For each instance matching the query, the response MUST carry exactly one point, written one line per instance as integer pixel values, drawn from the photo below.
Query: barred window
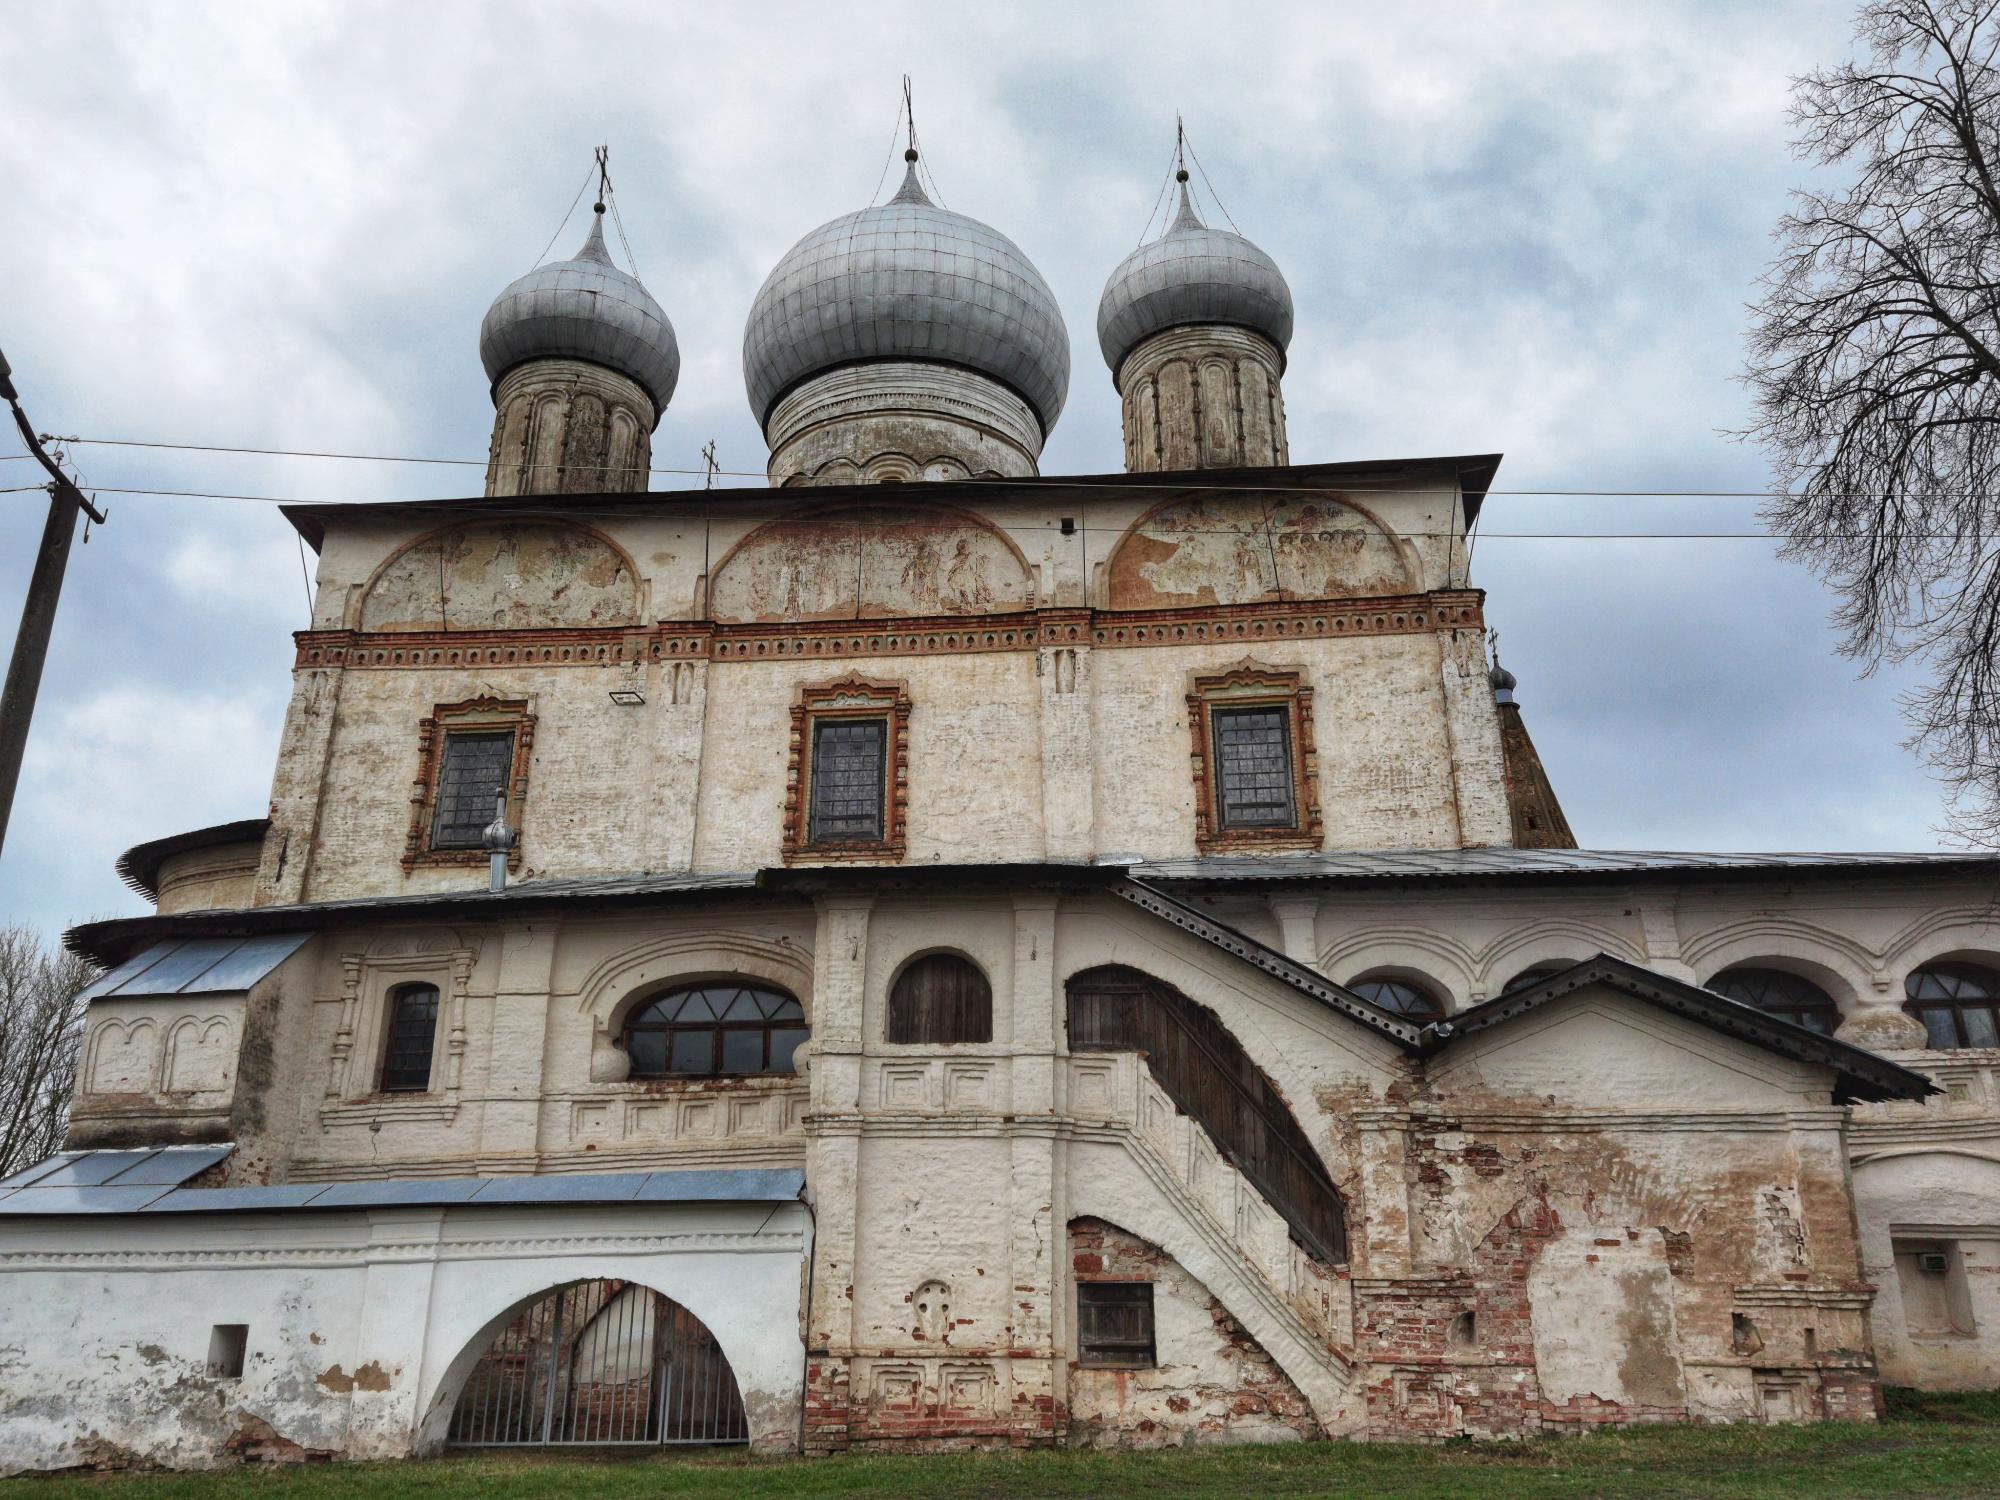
(476, 765)
(1253, 767)
(1959, 1004)
(713, 1029)
(1114, 1325)
(413, 1013)
(849, 780)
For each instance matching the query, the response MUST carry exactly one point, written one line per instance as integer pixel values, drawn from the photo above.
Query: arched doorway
(596, 1363)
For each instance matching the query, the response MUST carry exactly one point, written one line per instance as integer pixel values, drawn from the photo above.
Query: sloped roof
(1445, 866)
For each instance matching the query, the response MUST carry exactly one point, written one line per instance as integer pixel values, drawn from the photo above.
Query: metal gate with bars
(600, 1362)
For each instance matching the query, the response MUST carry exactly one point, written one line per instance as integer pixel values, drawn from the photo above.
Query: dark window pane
(475, 767)
(693, 1050)
(848, 780)
(1955, 1001)
(743, 1050)
(1940, 1029)
(1979, 1027)
(648, 1051)
(1781, 993)
(784, 1043)
(1253, 768)
(412, 1031)
(1400, 996)
(677, 1035)
(1532, 976)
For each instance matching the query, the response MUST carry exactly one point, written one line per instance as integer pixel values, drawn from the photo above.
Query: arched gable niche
(871, 562)
(511, 575)
(1241, 549)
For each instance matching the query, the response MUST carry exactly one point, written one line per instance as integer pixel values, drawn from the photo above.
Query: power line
(1040, 482)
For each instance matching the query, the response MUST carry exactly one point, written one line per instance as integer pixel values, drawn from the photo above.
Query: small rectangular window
(849, 784)
(227, 1345)
(1253, 767)
(1114, 1325)
(406, 1066)
(475, 767)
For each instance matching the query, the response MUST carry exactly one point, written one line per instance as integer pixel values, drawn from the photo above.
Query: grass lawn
(1931, 1446)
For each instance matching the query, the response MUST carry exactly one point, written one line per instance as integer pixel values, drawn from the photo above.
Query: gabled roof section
(1308, 982)
(1864, 1077)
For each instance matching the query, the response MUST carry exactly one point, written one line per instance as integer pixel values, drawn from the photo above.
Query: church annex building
(980, 957)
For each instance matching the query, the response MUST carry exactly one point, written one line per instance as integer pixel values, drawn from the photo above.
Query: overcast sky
(1518, 228)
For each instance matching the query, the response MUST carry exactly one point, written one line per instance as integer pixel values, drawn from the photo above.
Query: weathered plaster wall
(1945, 1200)
(1212, 1381)
(362, 1325)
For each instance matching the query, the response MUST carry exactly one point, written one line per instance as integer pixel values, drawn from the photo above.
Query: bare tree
(1875, 363)
(41, 1027)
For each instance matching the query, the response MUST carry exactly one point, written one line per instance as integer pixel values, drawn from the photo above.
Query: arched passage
(599, 1362)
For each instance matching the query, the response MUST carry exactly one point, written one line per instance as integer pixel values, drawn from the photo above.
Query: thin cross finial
(603, 175)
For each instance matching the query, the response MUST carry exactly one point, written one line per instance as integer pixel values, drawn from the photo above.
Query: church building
(930, 954)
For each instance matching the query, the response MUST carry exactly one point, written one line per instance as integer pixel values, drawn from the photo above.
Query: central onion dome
(586, 309)
(884, 314)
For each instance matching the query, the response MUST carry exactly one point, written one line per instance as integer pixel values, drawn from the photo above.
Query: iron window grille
(849, 780)
(1959, 1004)
(1253, 768)
(475, 767)
(1778, 992)
(1114, 1325)
(406, 1063)
(713, 1030)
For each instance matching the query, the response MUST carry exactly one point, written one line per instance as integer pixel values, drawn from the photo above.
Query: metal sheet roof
(1472, 864)
(110, 1182)
(197, 966)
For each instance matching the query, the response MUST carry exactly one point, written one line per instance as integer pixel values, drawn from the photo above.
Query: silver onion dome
(1192, 274)
(907, 280)
(584, 308)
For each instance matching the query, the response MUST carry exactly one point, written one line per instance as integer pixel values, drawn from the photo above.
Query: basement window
(227, 1345)
(1114, 1325)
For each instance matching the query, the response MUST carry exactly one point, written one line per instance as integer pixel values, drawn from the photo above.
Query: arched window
(1534, 974)
(1959, 1003)
(1780, 993)
(413, 1018)
(939, 999)
(709, 1029)
(1405, 997)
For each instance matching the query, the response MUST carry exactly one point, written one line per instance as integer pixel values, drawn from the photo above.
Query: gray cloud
(1525, 229)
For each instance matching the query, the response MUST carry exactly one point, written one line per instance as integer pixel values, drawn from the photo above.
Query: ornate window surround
(470, 715)
(850, 697)
(1251, 684)
(361, 1039)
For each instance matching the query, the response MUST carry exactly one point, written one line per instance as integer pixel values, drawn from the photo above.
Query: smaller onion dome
(1502, 682)
(584, 308)
(1191, 275)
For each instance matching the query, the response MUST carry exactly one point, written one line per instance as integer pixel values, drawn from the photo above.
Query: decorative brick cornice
(931, 635)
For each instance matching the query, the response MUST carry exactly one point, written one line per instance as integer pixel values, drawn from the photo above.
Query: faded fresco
(871, 562)
(509, 577)
(1239, 549)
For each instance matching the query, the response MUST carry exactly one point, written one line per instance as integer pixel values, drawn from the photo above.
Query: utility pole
(38, 615)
